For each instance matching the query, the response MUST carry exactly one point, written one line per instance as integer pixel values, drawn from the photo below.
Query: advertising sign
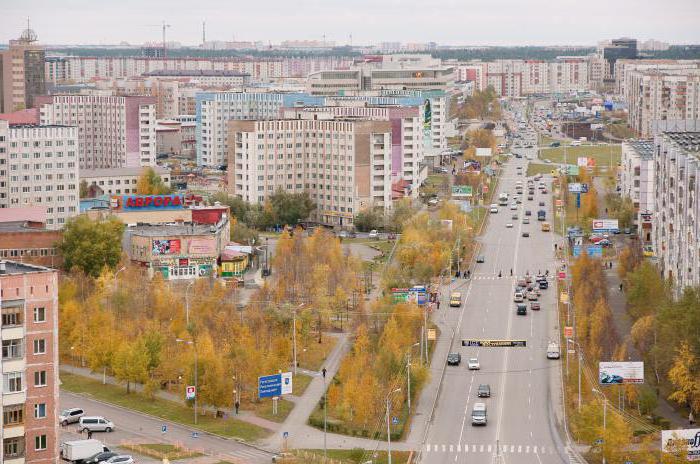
(190, 392)
(165, 247)
(676, 440)
(461, 190)
(275, 385)
(582, 161)
(594, 251)
(432, 334)
(564, 298)
(494, 343)
(202, 246)
(578, 188)
(417, 294)
(147, 202)
(568, 331)
(616, 373)
(605, 225)
(483, 152)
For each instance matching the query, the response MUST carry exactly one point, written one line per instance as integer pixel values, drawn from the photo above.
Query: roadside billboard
(673, 441)
(463, 191)
(486, 152)
(620, 372)
(605, 225)
(594, 251)
(578, 188)
(165, 247)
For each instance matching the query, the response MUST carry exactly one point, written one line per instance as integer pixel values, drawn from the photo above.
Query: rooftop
(115, 172)
(195, 73)
(14, 267)
(163, 230)
(689, 141)
(644, 148)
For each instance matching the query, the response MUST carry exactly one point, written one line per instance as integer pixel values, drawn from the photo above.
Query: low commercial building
(176, 137)
(676, 229)
(29, 424)
(118, 181)
(25, 238)
(637, 182)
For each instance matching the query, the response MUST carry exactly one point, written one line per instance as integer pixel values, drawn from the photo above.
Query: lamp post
(408, 374)
(196, 392)
(388, 422)
(578, 347)
(605, 412)
(116, 274)
(325, 416)
(187, 303)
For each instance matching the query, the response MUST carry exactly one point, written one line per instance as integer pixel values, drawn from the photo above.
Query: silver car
(95, 424)
(70, 416)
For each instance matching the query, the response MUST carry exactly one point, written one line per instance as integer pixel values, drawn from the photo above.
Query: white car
(473, 364)
(509, 225)
(373, 233)
(121, 459)
(494, 209)
(514, 206)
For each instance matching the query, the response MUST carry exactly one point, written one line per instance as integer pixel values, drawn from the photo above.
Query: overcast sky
(452, 22)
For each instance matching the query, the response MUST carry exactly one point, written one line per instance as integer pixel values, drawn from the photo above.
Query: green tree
(368, 219)
(402, 212)
(150, 183)
(290, 208)
(83, 189)
(241, 233)
(91, 245)
(239, 207)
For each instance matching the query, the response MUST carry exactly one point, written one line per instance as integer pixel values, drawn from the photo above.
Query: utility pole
(196, 373)
(408, 374)
(388, 423)
(187, 304)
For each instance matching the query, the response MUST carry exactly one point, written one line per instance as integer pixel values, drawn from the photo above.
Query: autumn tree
(91, 245)
(368, 219)
(150, 183)
(685, 377)
(130, 363)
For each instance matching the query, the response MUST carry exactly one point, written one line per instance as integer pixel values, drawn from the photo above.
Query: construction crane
(164, 25)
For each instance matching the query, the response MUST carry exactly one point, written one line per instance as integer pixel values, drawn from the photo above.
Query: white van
(553, 350)
(479, 414)
(95, 424)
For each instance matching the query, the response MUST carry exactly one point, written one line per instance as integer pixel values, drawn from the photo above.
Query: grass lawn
(601, 154)
(545, 140)
(301, 381)
(312, 355)
(534, 169)
(160, 408)
(264, 409)
(358, 456)
(162, 450)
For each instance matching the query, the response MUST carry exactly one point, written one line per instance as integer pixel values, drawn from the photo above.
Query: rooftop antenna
(165, 50)
(204, 32)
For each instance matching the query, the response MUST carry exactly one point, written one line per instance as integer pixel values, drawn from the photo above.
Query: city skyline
(504, 22)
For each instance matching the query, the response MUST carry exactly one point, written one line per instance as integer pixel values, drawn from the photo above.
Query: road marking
(534, 450)
(527, 449)
(473, 448)
(451, 449)
(520, 448)
(489, 449)
(459, 448)
(512, 448)
(443, 448)
(427, 446)
(481, 449)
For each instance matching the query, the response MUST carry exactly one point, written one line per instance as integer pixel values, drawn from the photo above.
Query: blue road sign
(274, 385)
(599, 441)
(285, 434)
(163, 428)
(395, 420)
(195, 435)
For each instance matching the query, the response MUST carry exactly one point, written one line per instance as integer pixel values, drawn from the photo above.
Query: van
(95, 424)
(479, 414)
(456, 299)
(553, 350)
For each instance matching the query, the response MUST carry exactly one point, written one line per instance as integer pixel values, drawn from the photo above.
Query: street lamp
(605, 412)
(196, 393)
(117, 273)
(388, 422)
(408, 373)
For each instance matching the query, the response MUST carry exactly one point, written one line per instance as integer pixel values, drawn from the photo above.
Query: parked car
(100, 457)
(95, 424)
(480, 259)
(119, 459)
(373, 234)
(70, 416)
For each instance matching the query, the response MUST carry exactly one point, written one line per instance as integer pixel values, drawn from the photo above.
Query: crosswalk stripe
(535, 450)
(520, 448)
(481, 449)
(459, 448)
(505, 449)
(427, 447)
(527, 449)
(451, 448)
(443, 448)
(473, 448)
(512, 448)
(436, 448)
(489, 449)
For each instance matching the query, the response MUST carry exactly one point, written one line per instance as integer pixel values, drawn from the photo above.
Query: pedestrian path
(488, 448)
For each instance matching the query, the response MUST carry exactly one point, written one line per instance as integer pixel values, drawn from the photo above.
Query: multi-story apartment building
(637, 182)
(676, 229)
(113, 131)
(215, 109)
(119, 181)
(21, 73)
(204, 78)
(624, 69)
(506, 77)
(406, 134)
(663, 100)
(39, 167)
(344, 164)
(29, 332)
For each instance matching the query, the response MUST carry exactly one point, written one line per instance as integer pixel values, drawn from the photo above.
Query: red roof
(25, 213)
(30, 116)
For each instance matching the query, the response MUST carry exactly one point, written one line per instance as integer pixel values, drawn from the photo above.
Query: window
(40, 410)
(11, 316)
(39, 315)
(40, 379)
(40, 442)
(13, 447)
(12, 382)
(13, 415)
(39, 346)
(12, 349)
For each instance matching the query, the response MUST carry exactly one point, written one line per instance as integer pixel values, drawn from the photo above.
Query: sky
(447, 22)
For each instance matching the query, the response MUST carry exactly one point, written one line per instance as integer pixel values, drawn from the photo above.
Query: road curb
(150, 416)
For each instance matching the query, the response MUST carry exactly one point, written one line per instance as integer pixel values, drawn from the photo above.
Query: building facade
(637, 182)
(22, 74)
(119, 181)
(29, 332)
(113, 131)
(39, 167)
(344, 165)
(25, 238)
(675, 225)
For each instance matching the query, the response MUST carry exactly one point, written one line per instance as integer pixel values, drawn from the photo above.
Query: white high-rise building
(39, 167)
(637, 182)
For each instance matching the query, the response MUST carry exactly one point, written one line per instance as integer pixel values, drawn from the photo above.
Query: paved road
(523, 411)
(136, 427)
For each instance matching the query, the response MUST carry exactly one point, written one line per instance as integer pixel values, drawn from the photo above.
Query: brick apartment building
(25, 238)
(29, 332)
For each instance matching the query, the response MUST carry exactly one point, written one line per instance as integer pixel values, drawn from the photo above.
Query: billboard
(200, 246)
(165, 247)
(275, 385)
(483, 152)
(677, 440)
(603, 225)
(578, 188)
(461, 191)
(494, 343)
(147, 202)
(594, 251)
(617, 373)
(417, 294)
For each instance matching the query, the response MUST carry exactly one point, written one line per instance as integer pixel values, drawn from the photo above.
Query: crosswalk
(487, 448)
(495, 277)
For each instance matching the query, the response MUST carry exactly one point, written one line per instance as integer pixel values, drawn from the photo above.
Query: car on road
(484, 391)
(479, 414)
(473, 364)
(518, 297)
(70, 416)
(541, 203)
(494, 208)
(532, 296)
(100, 457)
(526, 221)
(513, 206)
(544, 190)
(480, 259)
(525, 234)
(548, 161)
(373, 234)
(509, 225)
(454, 359)
(605, 243)
(119, 459)
(534, 306)
(530, 198)
(521, 309)
(553, 350)
(514, 217)
(433, 201)
(528, 212)
(522, 283)
(95, 424)
(543, 284)
(456, 299)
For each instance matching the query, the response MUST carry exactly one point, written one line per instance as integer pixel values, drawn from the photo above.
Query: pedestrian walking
(499, 274)
(465, 274)
(237, 405)
(555, 247)
(438, 304)
(89, 434)
(469, 274)
(691, 418)
(620, 286)
(511, 272)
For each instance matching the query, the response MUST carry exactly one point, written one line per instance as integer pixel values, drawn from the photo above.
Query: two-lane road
(525, 385)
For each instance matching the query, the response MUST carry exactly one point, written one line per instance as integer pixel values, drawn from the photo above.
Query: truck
(541, 215)
(79, 450)
(503, 199)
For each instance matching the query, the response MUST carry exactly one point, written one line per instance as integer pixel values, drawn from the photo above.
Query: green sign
(461, 190)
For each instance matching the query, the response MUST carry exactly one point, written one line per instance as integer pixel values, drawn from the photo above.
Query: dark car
(544, 285)
(605, 243)
(528, 212)
(530, 198)
(542, 203)
(480, 259)
(484, 391)
(453, 359)
(99, 457)
(526, 234)
(521, 310)
(514, 217)
(534, 306)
